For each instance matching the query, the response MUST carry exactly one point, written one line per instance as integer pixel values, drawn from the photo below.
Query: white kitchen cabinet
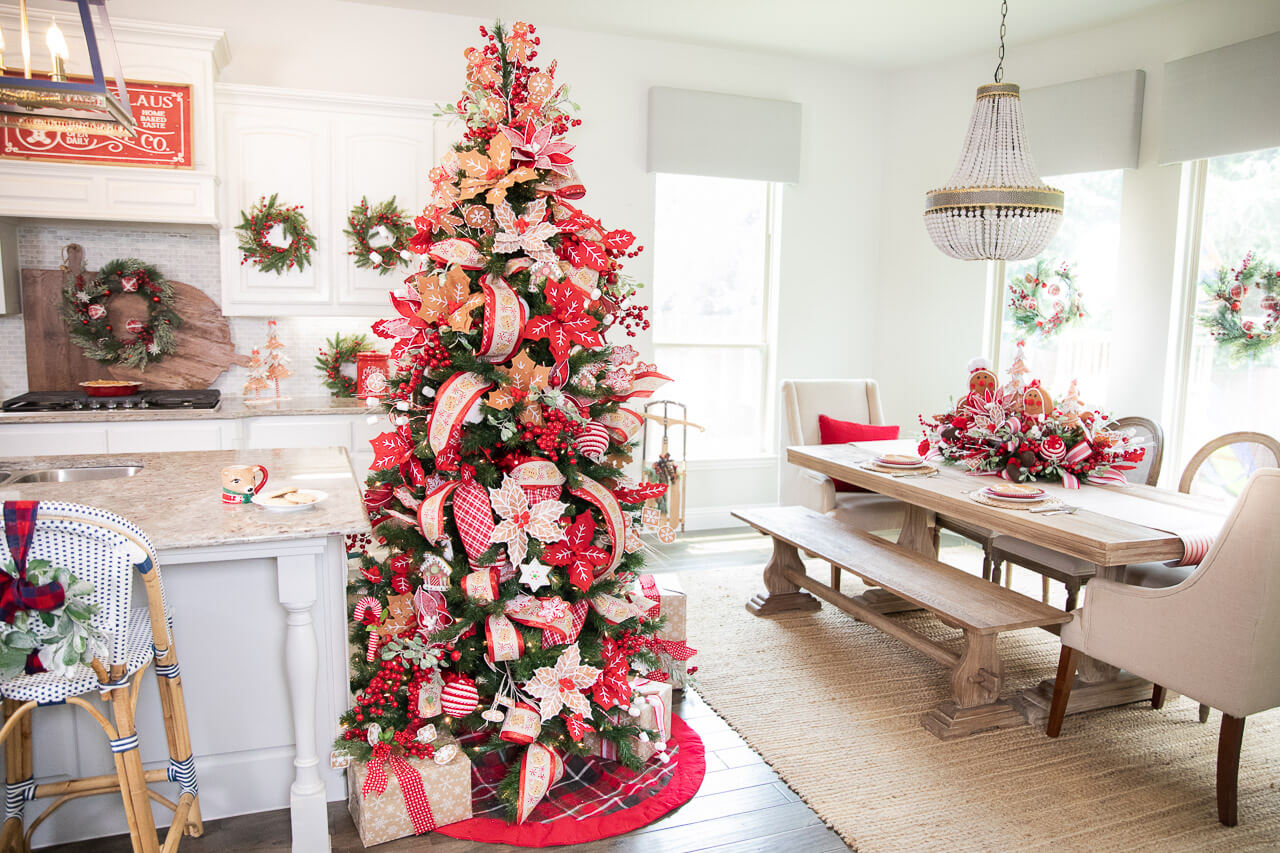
(171, 436)
(324, 152)
(298, 431)
(53, 439)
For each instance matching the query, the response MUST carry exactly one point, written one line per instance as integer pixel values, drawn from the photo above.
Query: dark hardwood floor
(742, 805)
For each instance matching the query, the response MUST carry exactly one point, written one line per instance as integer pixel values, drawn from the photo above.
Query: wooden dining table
(1111, 527)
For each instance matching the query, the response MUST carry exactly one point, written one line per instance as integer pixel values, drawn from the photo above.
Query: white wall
(830, 225)
(932, 306)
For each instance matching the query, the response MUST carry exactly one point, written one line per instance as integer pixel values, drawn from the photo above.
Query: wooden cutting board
(54, 363)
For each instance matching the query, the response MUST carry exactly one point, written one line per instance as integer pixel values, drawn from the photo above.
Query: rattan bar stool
(104, 550)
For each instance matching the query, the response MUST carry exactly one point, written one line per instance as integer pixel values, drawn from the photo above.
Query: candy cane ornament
(364, 606)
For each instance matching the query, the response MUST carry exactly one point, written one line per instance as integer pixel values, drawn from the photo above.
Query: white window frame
(767, 345)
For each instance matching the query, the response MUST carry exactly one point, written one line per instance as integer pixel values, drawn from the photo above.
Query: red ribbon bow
(411, 788)
(19, 593)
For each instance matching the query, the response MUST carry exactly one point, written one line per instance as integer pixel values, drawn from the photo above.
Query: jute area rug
(834, 706)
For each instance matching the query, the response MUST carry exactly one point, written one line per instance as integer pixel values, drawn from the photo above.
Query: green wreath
(364, 223)
(258, 222)
(1032, 293)
(85, 311)
(1245, 337)
(342, 349)
(67, 631)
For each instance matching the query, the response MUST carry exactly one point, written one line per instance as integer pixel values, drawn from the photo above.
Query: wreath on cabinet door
(274, 237)
(379, 236)
(1246, 336)
(1045, 302)
(84, 307)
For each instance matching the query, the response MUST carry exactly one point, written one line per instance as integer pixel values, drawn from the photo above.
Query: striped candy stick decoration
(369, 604)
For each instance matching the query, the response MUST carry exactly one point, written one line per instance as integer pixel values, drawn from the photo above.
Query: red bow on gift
(415, 796)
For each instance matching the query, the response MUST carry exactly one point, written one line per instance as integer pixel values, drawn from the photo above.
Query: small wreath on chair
(342, 349)
(48, 634)
(1045, 302)
(275, 238)
(379, 236)
(1245, 337)
(84, 307)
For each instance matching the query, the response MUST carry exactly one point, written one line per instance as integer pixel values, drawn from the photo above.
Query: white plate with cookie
(289, 498)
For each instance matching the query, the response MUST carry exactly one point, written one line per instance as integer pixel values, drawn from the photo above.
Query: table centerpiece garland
(256, 246)
(1015, 432)
(1244, 337)
(84, 307)
(341, 349)
(379, 236)
(1052, 286)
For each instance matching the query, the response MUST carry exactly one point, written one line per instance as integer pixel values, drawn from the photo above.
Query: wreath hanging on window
(1246, 336)
(342, 349)
(275, 238)
(379, 236)
(84, 307)
(1045, 302)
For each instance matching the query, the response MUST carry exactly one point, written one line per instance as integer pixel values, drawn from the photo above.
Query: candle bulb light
(2, 68)
(58, 52)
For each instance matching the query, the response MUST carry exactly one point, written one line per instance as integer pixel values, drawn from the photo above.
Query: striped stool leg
(133, 780)
(182, 768)
(20, 785)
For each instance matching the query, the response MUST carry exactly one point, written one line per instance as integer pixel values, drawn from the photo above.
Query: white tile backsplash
(186, 253)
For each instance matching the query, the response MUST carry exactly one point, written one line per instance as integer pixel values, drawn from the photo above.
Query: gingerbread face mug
(240, 483)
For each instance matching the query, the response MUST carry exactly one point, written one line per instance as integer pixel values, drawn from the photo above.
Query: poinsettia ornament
(577, 552)
(534, 145)
(447, 296)
(492, 173)
(408, 331)
(567, 324)
(561, 686)
(527, 232)
(520, 520)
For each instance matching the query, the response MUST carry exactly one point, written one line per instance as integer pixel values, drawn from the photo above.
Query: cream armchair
(848, 400)
(1214, 637)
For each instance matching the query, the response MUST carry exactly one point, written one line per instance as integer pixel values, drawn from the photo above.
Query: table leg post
(780, 593)
(975, 705)
(296, 580)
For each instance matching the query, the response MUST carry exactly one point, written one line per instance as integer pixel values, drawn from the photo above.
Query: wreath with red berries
(256, 228)
(342, 349)
(1045, 302)
(1246, 336)
(379, 236)
(84, 307)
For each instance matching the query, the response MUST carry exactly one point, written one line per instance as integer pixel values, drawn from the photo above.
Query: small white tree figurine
(277, 361)
(1070, 406)
(257, 381)
(1018, 369)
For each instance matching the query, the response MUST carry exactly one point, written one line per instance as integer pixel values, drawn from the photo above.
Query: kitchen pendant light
(995, 206)
(50, 102)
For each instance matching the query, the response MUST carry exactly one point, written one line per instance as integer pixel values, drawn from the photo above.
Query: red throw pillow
(842, 432)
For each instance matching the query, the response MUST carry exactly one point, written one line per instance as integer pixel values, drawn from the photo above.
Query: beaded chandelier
(995, 207)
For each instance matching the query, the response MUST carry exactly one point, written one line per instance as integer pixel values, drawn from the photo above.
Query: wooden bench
(977, 607)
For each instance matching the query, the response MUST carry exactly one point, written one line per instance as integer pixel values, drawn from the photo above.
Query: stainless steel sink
(78, 475)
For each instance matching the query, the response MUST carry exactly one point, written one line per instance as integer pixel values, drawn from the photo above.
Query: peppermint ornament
(459, 696)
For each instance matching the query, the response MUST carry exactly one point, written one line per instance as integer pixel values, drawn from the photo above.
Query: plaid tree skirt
(595, 799)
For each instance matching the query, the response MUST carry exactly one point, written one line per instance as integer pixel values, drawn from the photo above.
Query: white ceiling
(887, 34)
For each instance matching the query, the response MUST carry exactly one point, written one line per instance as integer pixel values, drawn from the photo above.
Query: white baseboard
(716, 517)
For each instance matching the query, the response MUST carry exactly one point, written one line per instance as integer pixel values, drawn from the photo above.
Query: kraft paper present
(384, 817)
(654, 701)
(674, 609)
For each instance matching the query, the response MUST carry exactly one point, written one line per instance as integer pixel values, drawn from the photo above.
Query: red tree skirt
(595, 799)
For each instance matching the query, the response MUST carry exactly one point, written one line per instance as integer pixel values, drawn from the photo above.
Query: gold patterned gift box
(673, 607)
(385, 816)
(653, 700)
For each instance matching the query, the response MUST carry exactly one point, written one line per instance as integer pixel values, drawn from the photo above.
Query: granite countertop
(228, 408)
(177, 497)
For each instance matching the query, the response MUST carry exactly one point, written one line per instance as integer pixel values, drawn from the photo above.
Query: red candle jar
(372, 369)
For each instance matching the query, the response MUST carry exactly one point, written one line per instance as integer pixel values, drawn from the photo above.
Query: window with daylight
(1240, 199)
(1089, 244)
(713, 263)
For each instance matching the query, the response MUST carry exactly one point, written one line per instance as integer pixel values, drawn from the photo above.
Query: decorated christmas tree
(277, 361)
(501, 602)
(257, 381)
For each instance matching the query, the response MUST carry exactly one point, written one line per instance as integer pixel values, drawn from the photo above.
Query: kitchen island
(264, 685)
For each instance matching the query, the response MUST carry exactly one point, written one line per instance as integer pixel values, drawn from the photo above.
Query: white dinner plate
(259, 499)
(991, 492)
(901, 462)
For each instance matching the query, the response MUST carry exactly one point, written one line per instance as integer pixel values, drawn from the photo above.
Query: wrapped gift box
(672, 606)
(384, 817)
(654, 700)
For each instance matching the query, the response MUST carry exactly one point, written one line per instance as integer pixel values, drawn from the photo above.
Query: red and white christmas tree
(277, 361)
(497, 490)
(257, 381)
(1018, 370)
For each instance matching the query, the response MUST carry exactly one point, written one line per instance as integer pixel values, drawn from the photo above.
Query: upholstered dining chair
(104, 550)
(1229, 661)
(803, 400)
(1008, 551)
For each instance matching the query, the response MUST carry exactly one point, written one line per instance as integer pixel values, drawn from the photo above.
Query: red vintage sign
(162, 112)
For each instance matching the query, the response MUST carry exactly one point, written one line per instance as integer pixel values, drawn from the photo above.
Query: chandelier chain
(1004, 12)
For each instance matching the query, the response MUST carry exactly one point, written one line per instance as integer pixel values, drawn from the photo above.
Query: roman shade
(723, 136)
(1222, 102)
(1086, 125)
